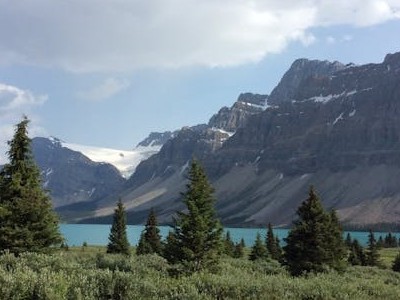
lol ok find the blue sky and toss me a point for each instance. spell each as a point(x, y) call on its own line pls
point(107, 73)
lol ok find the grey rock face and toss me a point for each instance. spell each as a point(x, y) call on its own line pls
point(70, 176)
point(157, 139)
point(301, 71)
point(230, 119)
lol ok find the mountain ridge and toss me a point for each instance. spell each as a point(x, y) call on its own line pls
point(328, 124)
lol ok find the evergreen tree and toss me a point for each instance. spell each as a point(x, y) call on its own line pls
point(258, 251)
point(357, 256)
point(150, 239)
point(390, 241)
point(118, 239)
point(229, 246)
point(171, 250)
point(310, 244)
point(372, 255)
point(348, 241)
point(27, 220)
point(272, 244)
point(335, 245)
point(239, 250)
point(396, 263)
point(197, 233)
point(380, 243)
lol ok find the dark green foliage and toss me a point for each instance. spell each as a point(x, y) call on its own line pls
point(372, 255)
point(380, 244)
point(357, 256)
point(315, 241)
point(396, 263)
point(348, 241)
point(27, 220)
point(150, 239)
point(171, 251)
point(229, 245)
point(197, 233)
point(390, 241)
point(258, 251)
point(239, 250)
point(273, 246)
point(118, 239)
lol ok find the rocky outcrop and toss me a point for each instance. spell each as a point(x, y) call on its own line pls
point(230, 119)
point(157, 139)
point(301, 71)
point(70, 176)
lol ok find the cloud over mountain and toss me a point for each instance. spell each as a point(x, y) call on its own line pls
point(14, 103)
point(124, 35)
point(108, 88)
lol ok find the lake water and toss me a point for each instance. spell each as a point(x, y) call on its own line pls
point(96, 234)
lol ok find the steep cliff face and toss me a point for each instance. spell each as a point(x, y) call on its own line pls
point(70, 176)
point(300, 71)
point(230, 119)
point(327, 124)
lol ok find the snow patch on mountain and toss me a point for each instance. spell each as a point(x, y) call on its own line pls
point(125, 161)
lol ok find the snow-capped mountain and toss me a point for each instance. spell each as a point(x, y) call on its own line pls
point(125, 161)
point(70, 176)
point(328, 124)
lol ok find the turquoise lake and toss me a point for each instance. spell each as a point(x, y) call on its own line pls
point(96, 234)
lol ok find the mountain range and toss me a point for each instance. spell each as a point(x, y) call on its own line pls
point(326, 124)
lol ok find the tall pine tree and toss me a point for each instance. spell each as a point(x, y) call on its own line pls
point(258, 251)
point(372, 254)
point(196, 239)
point(150, 239)
point(27, 220)
point(229, 245)
point(118, 238)
point(312, 240)
point(272, 243)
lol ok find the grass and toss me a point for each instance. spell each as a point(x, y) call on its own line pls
point(387, 256)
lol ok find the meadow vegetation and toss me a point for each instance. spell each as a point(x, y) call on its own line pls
point(94, 274)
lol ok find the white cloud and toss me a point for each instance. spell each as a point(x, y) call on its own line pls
point(108, 88)
point(343, 39)
point(124, 35)
point(347, 38)
point(14, 103)
point(330, 40)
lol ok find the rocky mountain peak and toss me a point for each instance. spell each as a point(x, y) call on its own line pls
point(156, 139)
point(230, 119)
point(301, 70)
point(392, 60)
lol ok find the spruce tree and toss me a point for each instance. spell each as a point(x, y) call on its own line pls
point(357, 256)
point(310, 244)
point(238, 252)
point(27, 220)
point(258, 251)
point(348, 241)
point(396, 263)
point(272, 244)
point(229, 246)
point(171, 252)
point(372, 255)
point(150, 239)
point(197, 232)
point(118, 239)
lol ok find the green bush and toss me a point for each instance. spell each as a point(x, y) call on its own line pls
point(85, 275)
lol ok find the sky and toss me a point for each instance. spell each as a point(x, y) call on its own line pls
point(107, 73)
